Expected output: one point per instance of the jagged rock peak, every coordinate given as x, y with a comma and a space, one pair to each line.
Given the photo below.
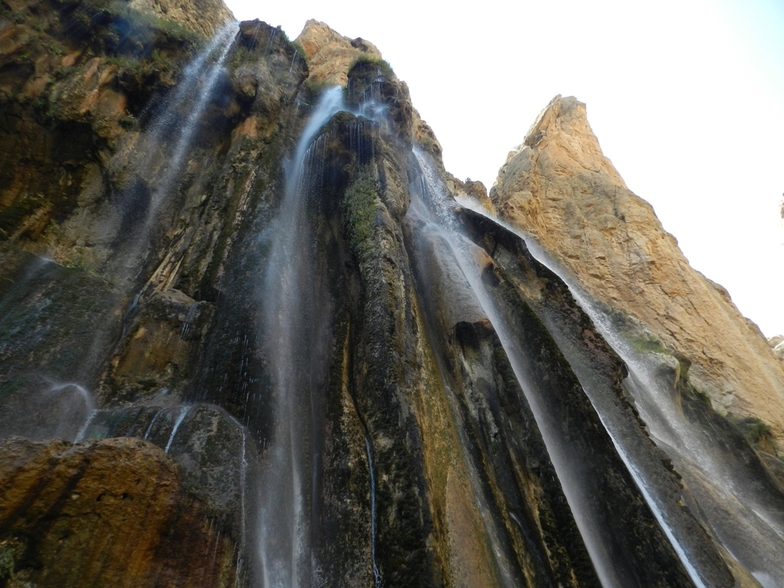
559, 187
330, 54
330, 58
564, 122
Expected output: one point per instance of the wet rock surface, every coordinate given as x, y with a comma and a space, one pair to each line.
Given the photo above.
105, 512
148, 331
559, 187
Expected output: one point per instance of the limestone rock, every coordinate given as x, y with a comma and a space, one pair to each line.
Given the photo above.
144, 320
330, 54
777, 345
110, 512
561, 189
201, 16
470, 191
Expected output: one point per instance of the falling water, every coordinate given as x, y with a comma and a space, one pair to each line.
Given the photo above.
180, 417
294, 343
151, 425
751, 528
82, 432
440, 218
432, 233
193, 93
739, 510
376, 572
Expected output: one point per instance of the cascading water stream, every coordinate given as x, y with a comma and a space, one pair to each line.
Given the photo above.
736, 508
371, 467
296, 335
199, 98
284, 526
80, 434
433, 234
151, 425
196, 88
193, 93
180, 418
442, 219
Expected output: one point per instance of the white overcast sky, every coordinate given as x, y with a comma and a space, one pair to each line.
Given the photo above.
685, 96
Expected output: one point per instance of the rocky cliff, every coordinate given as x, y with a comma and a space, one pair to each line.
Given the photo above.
559, 188
252, 333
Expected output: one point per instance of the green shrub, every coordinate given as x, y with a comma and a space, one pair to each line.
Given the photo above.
755, 430
301, 50
380, 64
6, 561
143, 18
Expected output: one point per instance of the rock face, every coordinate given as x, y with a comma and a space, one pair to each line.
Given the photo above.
253, 332
201, 16
561, 189
330, 54
105, 512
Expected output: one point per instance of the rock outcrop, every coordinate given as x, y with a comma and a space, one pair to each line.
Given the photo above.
331, 55
253, 333
559, 187
201, 16
108, 512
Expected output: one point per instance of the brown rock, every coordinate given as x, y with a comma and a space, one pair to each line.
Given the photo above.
470, 190
561, 189
777, 345
330, 54
201, 16
110, 513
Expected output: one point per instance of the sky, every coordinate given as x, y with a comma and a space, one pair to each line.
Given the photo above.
685, 96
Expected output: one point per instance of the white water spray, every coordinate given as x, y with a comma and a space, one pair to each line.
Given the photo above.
441, 220
80, 434
733, 505
180, 417
192, 95
284, 525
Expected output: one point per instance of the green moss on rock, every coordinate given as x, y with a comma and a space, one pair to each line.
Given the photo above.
361, 204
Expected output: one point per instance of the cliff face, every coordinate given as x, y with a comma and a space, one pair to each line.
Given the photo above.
561, 189
246, 329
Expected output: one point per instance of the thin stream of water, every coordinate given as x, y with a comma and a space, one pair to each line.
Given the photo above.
669, 429
192, 95
570, 483
180, 417
284, 526
376, 573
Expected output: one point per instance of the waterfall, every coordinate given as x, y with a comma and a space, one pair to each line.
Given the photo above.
82, 432
739, 509
376, 572
737, 506
192, 95
435, 218
295, 338
180, 417
567, 456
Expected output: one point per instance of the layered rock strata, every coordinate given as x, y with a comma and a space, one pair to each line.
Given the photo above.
442, 432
